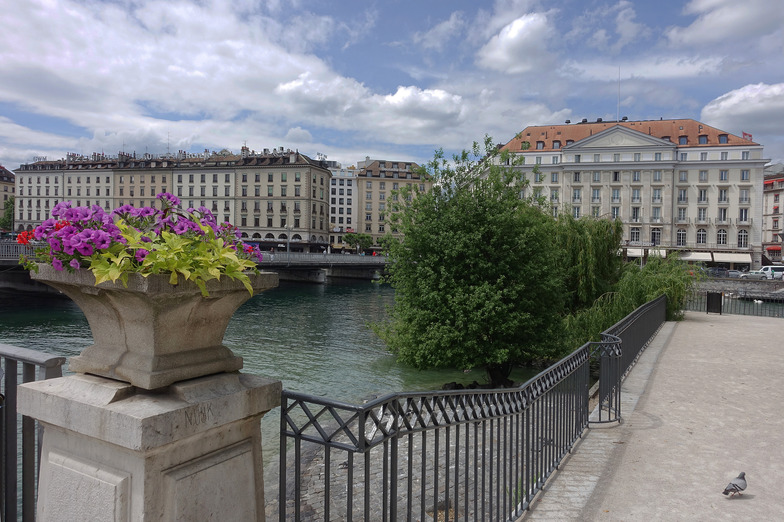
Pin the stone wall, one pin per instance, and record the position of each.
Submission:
(743, 286)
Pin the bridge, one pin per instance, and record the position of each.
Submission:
(291, 266)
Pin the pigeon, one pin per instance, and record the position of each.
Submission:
(736, 485)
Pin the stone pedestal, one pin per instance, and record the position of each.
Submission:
(190, 451)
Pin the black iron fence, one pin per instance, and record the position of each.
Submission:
(18, 433)
(769, 304)
(457, 455)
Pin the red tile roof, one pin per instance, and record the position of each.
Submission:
(672, 129)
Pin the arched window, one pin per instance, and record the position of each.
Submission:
(656, 236)
(743, 239)
(635, 233)
(721, 237)
(681, 237)
(269, 236)
(702, 236)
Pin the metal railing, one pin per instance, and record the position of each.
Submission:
(449, 455)
(763, 304)
(18, 432)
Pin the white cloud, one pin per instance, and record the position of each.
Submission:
(755, 108)
(519, 47)
(298, 135)
(442, 33)
(726, 21)
(654, 67)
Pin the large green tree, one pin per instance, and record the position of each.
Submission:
(360, 241)
(7, 219)
(476, 274)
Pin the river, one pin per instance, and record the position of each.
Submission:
(314, 338)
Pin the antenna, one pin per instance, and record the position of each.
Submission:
(618, 117)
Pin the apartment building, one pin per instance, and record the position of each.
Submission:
(773, 212)
(7, 187)
(677, 185)
(343, 204)
(378, 182)
(277, 198)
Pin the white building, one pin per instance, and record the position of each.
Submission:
(677, 185)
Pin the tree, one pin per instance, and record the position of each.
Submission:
(476, 275)
(361, 241)
(7, 220)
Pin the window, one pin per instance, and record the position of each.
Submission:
(744, 155)
(683, 175)
(283, 190)
(723, 196)
(656, 214)
(597, 158)
(722, 138)
(576, 212)
(743, 239)
(744, 196)
(722, 217)
(702, 236)
(724, 175)
(683, 196)
(555, 160)
(577, 177)
(616, 157)
(703, 156)
(724, 156)
(577, 158)
(270, 191)
(721, 237)
(743, 215)
(538, 176)
(616, 176)
(657, 176)
(775, 223)
(657, 156)
(615, 212)
(635, 195)
(539, 145)
(703, 196)
(681, 214)
(684, 156)
(635, 213)
(703, 176)
(635, 234)
(554, 194)
(636, 176)
(703, 139)
(556, 144)
(596, 196)
(637, 156)
(683, 140)
(657, 195)
(554, 177)
(576, 195)
(656, 236)
(680, 237)
(538, 160)
(616, 195)
(702, 214)
(597, 176)
(744, 175)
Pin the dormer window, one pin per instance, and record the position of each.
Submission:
(722, 138)
(539, 145)
(683, 140)
(556, 144)
(703, 139)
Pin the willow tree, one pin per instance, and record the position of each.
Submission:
(476, 274)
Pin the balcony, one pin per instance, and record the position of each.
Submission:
(576, 200)
(596, 200)
(684, 200)
(636, 200)
(744, 201)
(656, 200)
(616, 200)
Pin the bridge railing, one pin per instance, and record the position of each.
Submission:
(18, 432)
(453, 455)
(12, 249)
(315, 259)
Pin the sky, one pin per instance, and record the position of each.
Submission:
(390, 79)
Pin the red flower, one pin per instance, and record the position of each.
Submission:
(24, 237)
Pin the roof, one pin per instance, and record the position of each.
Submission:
(670, 129)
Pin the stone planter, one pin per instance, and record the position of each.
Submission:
(152, 334)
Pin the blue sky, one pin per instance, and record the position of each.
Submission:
(389, 80)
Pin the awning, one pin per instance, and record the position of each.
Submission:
(729, 257)
(634, 252)
(696, 256)
(774, 248)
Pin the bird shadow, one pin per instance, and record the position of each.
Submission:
(745, 496)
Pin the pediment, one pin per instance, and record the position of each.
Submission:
(619, 136)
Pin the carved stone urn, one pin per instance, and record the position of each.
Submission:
(152, 334)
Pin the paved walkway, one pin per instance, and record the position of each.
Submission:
(704, 402)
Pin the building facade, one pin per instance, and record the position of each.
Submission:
(277, 198)
(676, 185)
(343, 204)
(773, 212)
(378, 183)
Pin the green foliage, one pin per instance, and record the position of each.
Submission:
(363, 241)
(7, 219)
(589, 257)
(476, 272)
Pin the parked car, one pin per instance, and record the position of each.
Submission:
(734, 273)
(716, 271)
(754, 274)
(773, 271)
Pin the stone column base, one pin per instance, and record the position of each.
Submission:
(111, 451)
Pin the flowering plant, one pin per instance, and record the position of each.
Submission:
(183, 243)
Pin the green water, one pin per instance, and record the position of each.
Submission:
(314, 338)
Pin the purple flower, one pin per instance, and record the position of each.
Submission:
(171, 199)
(75, 264)
(141, 254)
(101, 239)
(57, 264)
(181, 228)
